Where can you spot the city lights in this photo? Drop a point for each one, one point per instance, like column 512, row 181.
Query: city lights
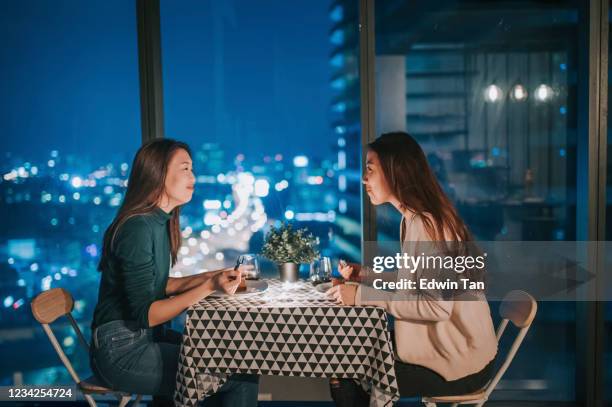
column 262, row 188
column 300, row 161
column 77, row 182
column 211, row 204
column 8, row 301
column 342, row 207
column 342, row 183
column 279, row 186
column 315, row 180
column 10, row 176
column 187, row 232
column 341, row 159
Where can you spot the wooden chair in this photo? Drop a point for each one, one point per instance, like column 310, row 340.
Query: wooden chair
column 518, row 307
column 49, row 306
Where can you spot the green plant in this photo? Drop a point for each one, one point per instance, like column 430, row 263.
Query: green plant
column 286, row 245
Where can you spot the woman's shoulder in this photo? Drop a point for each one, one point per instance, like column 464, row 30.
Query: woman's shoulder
column 135, row 225
column 132, row 234
column 137, row 221
column 417, row 227
column 414, row 226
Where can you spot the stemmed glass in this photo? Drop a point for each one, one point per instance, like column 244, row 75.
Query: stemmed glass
column 321, row 270
column 250, row 259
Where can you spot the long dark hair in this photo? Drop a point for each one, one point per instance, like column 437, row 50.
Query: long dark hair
column 412, row 181
column 145, row 188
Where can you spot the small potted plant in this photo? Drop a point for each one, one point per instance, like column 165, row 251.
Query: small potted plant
column 289, row 247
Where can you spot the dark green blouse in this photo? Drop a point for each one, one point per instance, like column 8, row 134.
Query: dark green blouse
column 137, row 272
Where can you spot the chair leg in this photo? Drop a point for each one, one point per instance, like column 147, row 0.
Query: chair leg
column 454, row 404
column 137, row 400
column 125, row 400
column 481, row 403
column 90, row 400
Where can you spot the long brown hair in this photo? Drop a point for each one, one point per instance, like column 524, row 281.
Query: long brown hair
column 145, row 188
column 412, row 181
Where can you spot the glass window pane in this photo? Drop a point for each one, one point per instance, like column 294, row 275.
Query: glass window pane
column 70, row 124
column 270, row 108
column 489, row 90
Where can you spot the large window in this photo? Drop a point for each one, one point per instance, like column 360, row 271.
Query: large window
column 489, row 89
column 270, row 108
column 70, row 124
column 268, row 96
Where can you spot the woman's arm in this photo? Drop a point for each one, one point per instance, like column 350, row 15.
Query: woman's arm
column 178, row 285
column 164, row 310
column 415, row 305
column 423, row 306
column 420, row 307
column 135, row 258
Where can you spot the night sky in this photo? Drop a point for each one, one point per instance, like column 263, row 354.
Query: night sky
column 250, row 75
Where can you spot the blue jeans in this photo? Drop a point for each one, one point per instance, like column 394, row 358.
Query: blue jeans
column 145, row 361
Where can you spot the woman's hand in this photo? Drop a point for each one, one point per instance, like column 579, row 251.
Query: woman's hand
column 347, row 270
column 245, row 269
column 343, row 293
column 226, row 281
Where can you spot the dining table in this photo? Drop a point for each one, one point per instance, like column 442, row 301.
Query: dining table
column 285, row 329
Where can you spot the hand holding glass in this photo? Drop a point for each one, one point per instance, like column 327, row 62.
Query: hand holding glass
column 250, row 259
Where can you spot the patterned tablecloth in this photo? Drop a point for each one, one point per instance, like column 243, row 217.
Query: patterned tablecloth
column 290, row 329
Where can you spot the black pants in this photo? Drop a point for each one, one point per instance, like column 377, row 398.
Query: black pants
column 413, row 381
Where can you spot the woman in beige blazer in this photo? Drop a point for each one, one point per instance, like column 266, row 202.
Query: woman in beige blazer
column 443, row 346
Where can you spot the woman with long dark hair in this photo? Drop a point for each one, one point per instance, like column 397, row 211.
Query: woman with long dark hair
column 444, row 346
column 132, row 350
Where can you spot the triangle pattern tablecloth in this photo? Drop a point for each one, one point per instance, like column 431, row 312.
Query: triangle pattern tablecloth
column 289, row 330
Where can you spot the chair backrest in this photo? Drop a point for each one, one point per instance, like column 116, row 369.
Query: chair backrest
column 52, row 304
column 520, row 308
column 47, row 307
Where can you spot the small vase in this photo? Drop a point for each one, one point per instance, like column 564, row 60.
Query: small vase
column 289, row 272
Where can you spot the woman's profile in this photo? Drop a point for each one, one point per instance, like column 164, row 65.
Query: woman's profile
column 443, row 346
column 132, row 350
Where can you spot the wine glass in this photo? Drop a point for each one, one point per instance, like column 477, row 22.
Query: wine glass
column 250, row 259
column 321, row 270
